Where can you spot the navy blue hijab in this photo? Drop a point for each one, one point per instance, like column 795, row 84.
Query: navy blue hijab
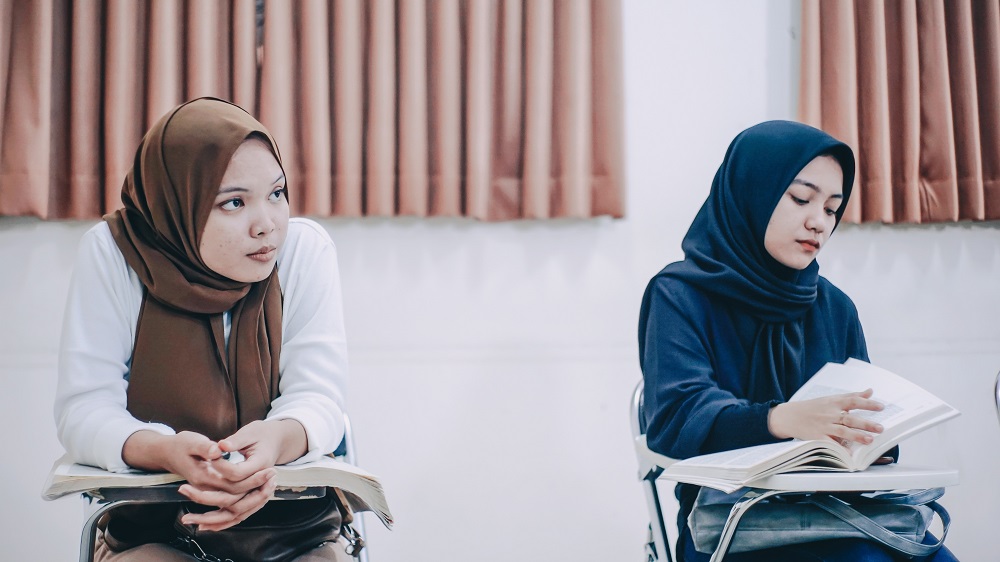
column 724, row 252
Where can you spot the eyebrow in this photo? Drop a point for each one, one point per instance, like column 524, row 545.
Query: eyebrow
column 236, row 188
column 816, row 188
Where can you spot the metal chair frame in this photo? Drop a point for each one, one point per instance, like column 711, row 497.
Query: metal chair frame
column 996, row 394
column 651, row 466
column 648, row 473
column 108, row 499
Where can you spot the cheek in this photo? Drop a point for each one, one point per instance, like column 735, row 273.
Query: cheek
column 216, row 244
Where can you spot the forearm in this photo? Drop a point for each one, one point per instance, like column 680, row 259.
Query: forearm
column 292, row 438
column 737, row 426
column 147, row 450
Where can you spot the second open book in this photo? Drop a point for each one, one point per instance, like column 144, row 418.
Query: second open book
column 363, row 490
column 908, row 410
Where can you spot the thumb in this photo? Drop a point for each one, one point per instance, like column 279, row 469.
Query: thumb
column 202, row 447
column 237, row 441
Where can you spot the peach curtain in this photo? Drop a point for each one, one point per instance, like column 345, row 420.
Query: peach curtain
column 492, row 109
column 914, row 87
column 81, row 81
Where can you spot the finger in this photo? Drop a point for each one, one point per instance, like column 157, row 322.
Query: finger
column 201, row 447
column 243, row 438
column 842, row 433
column 857, row 422
column 236, row 472
column 220, row 483
column 234, row 514
column 858, row 401
column 214, row 498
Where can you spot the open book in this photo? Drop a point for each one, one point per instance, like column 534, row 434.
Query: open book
column 908, row 410
column 362, row 489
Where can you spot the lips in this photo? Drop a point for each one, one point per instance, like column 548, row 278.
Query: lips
column 809, row 245
column 265, row 253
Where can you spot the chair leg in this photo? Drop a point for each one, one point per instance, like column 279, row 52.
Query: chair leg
column 656, row 524
column 88, row 537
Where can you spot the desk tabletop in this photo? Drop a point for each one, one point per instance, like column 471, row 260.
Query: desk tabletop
column 883, row 477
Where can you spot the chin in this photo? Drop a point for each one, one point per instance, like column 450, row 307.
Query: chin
column 254, row 276
column 795, row 262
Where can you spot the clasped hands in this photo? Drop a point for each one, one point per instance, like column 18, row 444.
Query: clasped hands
column 826, row 417
column 238, row 490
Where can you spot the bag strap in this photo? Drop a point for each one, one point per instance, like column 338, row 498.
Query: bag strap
column 909, row 497
column 843, row 510
column 355, row 542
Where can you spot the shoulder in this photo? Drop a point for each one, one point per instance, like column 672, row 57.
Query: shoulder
column 307, row 233
column 305, row 241
column 680, row 292
column 99, row 238
column 98, row 248
column 830, row 298
column 678, row 302
column 308, row 252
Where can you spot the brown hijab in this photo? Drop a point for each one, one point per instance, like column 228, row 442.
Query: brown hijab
column 181, row 372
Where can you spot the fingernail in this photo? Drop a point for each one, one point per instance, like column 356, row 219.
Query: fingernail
column 868, row 438
column 878, row 428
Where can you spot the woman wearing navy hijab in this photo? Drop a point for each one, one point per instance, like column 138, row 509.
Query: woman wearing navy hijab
column 727, row 335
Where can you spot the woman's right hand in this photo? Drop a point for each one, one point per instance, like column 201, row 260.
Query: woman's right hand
column 826, row 417
column 197, row 459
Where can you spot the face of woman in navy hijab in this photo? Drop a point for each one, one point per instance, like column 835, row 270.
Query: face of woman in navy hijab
column 806, row 214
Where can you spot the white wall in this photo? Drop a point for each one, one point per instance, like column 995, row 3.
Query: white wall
column 492, row 363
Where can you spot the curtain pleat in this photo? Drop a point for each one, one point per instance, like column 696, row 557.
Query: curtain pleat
column 873, row 117
column 538, row 109
column 986, row 33
column 24, row 162
column 490, row 109
column 904, row 118
column 414, row 159
column 965, row 108
column 85, row 193
column 380, row 126
column 608, row 167
column 913, row 86
column 445, row 64
column 348, row 87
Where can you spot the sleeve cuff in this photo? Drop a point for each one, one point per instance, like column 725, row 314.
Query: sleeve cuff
column 112, row 439
column 323, row 433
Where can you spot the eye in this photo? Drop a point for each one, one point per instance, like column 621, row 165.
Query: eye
column 797, row 200
column 831, row 212
column 278, row 194
column 232, row 204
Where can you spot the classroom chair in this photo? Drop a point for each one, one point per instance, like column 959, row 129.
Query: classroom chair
column 107, row 499
column 875, row 478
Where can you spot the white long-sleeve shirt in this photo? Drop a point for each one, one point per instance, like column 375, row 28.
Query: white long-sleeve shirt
column 99, row 329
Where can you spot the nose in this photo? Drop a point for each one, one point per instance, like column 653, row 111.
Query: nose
column 817, row 219
column 263, row 224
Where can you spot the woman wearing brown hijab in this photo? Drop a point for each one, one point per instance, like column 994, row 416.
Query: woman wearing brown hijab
column 201, row 320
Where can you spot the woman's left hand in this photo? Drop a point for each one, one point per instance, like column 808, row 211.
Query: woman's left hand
column 263, row 444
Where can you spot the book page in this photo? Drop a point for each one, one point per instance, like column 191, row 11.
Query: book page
column 906, row 405
column 744, row 459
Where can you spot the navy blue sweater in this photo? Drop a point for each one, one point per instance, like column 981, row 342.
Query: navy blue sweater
column 696, row 362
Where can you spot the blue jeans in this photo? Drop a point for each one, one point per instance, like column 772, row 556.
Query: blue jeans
column 838, row 550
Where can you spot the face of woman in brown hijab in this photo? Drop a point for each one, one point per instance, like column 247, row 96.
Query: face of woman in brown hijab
column 249, row 219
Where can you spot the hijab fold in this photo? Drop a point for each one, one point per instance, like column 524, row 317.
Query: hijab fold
column 181, row 372
column 724, row 252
